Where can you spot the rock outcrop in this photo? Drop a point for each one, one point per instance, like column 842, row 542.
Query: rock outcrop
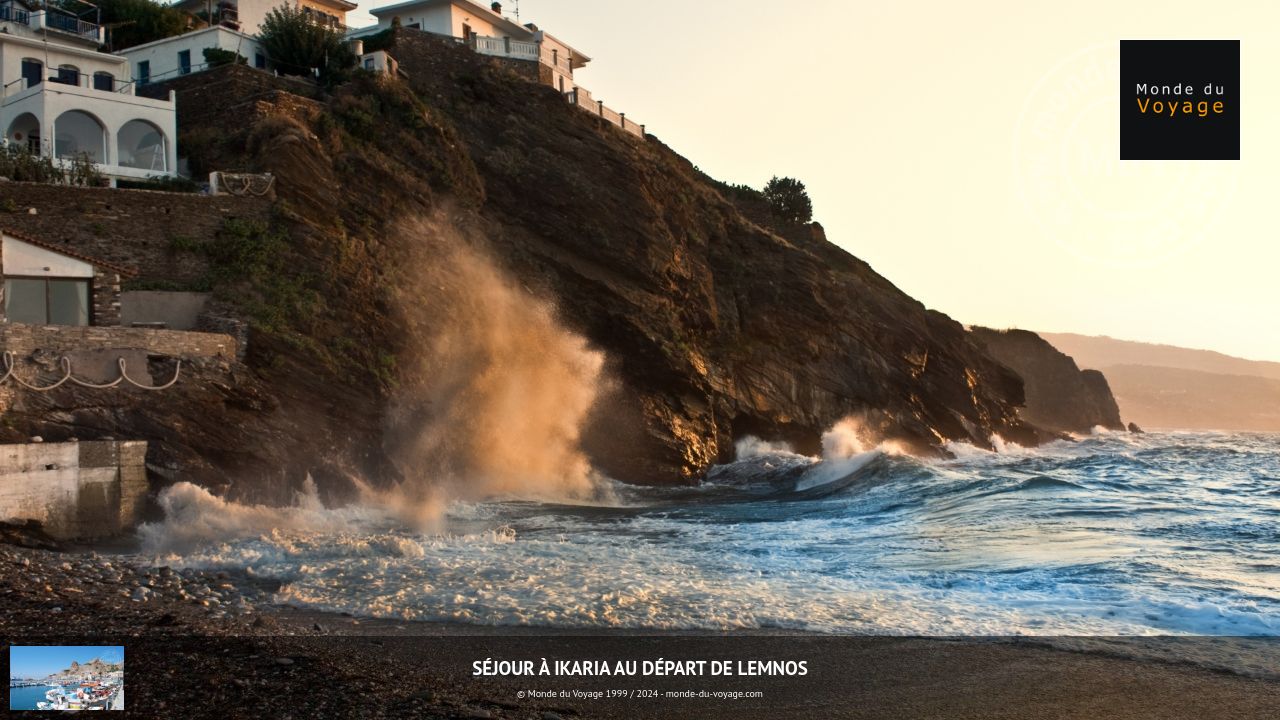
column 715, row 320
column 1060, row 396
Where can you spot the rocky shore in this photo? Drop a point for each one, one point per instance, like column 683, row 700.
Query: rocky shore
column 212, row 644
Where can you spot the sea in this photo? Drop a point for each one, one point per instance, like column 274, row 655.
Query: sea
column 25, row 698
column 1111, row 534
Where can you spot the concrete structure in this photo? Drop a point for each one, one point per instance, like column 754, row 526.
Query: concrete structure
column 49, row 285
column 379, row 62
column 75, row 490
column 171, row 310
column 488, row 32
column 59, row 96
column 247, row 15
column 184, row 54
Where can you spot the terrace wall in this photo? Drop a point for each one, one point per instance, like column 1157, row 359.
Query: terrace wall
column 75, row 490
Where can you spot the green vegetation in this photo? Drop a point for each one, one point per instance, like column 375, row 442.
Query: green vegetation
column 217, row 57
column 136, row 22
column 380, row 40
column 788, row 200
column 19, row 163
column 298, row 46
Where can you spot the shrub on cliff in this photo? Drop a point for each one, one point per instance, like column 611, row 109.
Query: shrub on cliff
column 217, row 57
column 18, row 162
column 789, row 200
column 297, row 46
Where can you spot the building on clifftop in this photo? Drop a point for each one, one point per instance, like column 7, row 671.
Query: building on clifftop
column 488, row 32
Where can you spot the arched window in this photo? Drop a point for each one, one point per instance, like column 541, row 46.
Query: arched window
column 68, row 75
column 139, row 144
column 76, row 132
column 24, row 131
column 104, row 81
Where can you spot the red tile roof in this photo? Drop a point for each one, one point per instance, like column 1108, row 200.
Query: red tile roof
column 63, row 250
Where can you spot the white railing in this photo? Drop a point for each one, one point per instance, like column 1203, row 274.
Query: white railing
column 581, row 97
column 506, row 47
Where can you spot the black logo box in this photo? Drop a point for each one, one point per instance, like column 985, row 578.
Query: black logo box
column 1194, row 63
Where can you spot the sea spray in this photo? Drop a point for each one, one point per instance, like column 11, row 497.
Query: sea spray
column 491, row 396
column 494, row 391
column 193, row 517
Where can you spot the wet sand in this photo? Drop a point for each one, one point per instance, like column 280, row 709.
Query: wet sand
column 231, row 658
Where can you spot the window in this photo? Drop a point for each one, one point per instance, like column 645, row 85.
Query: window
column 144, row 72
column 369, row 64
column 68, row 75
column 32, row 71
column 104, row 81
column 47, row 301
column 260, row 61
column 184, row 62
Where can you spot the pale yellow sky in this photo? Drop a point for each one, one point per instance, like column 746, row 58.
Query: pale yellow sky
column 969, row 151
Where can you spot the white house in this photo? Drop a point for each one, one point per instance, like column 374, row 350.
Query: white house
column 171, row 57
column 234, row 26
column 247, row 15
column 489, row 32
column 45, row 284
column 62, row 97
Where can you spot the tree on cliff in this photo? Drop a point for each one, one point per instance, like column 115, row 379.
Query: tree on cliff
column 298, row 46
column 789, row 200
column 135, row 22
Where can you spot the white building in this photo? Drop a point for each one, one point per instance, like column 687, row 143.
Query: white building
column 172, row 57
column 488, row 32
column 234, row 28
column 62, row 97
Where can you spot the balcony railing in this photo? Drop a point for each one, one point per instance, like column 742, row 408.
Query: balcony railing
column 69, row 24
column 505, row 47
column 9, row 13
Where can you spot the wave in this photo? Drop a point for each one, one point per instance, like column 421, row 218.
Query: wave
column 1104, row 536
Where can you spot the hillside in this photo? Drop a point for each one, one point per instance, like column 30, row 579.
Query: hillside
column 1165, row 386
column 1103, row 352
column 466, row 277
column 1160, row 397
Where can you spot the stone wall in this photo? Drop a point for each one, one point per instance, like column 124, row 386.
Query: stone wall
column 24, row 340
column 75, row 490
column 141, row 229
column 106, row 298
column 214, row 92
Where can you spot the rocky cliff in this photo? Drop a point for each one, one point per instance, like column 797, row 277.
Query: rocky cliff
column 712, row 321
column 1060, row 396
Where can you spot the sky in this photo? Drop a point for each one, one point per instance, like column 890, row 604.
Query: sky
column 969, row 151
column 38, row 661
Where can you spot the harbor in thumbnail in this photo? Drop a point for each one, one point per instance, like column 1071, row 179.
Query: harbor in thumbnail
column 64, row 677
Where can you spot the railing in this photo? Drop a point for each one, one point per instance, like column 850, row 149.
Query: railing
column 9, row 13
column 69, row 24
column 581, row 97
column 505, row 47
